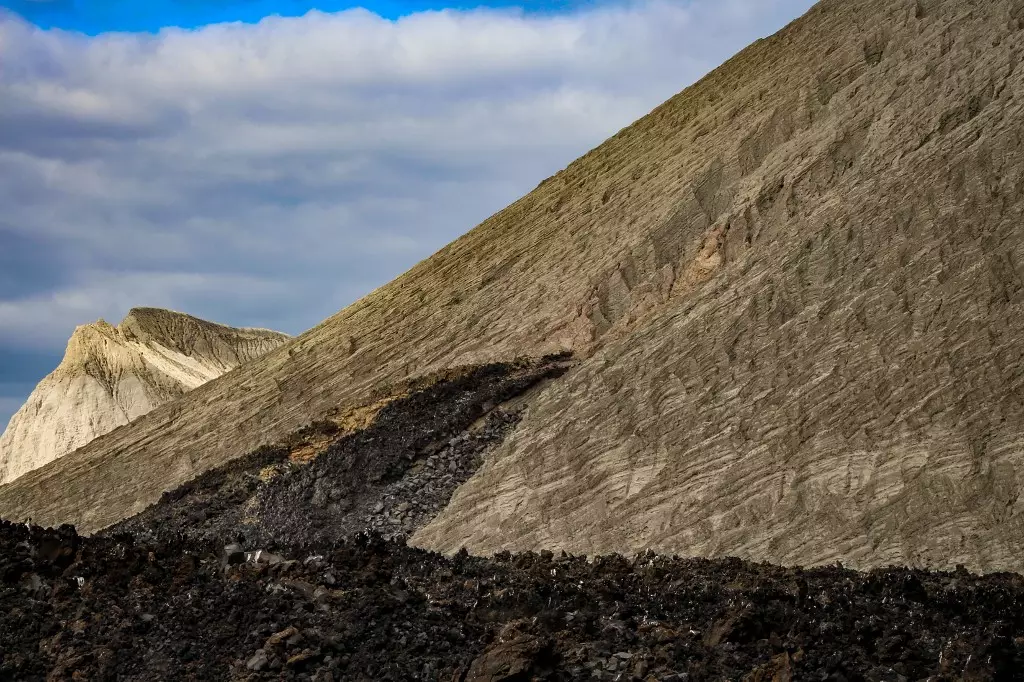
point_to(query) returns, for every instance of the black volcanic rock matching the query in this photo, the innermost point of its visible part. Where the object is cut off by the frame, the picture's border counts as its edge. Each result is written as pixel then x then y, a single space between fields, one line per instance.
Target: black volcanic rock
pixel 391 477
pixel 373 609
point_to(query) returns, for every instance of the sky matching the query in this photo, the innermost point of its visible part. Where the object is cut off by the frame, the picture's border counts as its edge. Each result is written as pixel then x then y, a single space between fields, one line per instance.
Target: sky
pixel 267 162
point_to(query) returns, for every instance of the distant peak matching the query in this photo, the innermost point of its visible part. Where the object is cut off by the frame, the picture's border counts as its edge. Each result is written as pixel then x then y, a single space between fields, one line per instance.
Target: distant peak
pixel 169 328
pixel 92 329
pixel 111 375
pixel 159 316
pixel 160 324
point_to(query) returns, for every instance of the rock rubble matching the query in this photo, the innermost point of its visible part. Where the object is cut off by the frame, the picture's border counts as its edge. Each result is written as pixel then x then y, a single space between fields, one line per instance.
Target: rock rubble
pixel 367 608
pixel 392 477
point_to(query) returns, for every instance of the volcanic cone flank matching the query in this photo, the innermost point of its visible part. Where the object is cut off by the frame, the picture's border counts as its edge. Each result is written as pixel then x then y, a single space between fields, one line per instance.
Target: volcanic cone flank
pixel 793 292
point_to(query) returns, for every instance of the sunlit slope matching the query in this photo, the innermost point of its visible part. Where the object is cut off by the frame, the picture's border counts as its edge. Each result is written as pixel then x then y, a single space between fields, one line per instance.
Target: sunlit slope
pixel 843 380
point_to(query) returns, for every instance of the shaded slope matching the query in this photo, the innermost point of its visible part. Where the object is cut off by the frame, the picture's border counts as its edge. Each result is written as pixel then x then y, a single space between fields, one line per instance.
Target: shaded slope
pixel 391 476
pixel 794 289
pixel 111 375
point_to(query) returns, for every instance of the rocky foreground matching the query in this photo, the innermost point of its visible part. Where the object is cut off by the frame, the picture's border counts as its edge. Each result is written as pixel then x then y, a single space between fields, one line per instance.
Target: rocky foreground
pixel 292 563
pixel 370 609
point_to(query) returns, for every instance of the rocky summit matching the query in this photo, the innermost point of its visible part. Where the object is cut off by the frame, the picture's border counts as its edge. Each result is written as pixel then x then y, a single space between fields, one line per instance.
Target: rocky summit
pixel 112 375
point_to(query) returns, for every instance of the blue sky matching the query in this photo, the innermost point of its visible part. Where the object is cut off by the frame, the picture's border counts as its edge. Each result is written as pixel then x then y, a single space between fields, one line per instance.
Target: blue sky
pixel 97 16
pixel 270 172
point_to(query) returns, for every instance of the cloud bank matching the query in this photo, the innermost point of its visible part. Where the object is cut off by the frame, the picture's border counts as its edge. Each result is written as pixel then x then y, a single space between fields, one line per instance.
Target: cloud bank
pixel 269 174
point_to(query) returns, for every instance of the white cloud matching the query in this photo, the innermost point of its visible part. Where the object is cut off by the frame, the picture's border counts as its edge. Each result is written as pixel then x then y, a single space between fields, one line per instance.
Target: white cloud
pixel 270 174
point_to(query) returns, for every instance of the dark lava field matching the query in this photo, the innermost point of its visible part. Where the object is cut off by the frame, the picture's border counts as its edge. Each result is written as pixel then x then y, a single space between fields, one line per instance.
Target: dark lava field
pixel 273 568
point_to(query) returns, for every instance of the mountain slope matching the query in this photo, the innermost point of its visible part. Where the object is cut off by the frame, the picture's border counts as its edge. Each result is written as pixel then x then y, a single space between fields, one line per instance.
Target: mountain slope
pixel 843 381
pixel 795 297
pixel 112 375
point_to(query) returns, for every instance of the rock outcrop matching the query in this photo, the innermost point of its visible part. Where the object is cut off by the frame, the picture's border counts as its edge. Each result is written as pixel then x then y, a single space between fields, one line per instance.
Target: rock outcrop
pixel 795 296
pixel 111 376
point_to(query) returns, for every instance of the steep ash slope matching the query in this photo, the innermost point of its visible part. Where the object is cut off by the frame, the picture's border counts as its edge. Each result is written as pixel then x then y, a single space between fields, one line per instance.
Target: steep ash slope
pixel 795 295
pixel 112 375
pixel 845 381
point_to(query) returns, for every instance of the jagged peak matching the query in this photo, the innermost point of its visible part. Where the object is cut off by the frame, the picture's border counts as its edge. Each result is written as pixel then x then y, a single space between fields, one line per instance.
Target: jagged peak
pixel 148 314
pixel 87 339
pixel 111 375
pixel 101 340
